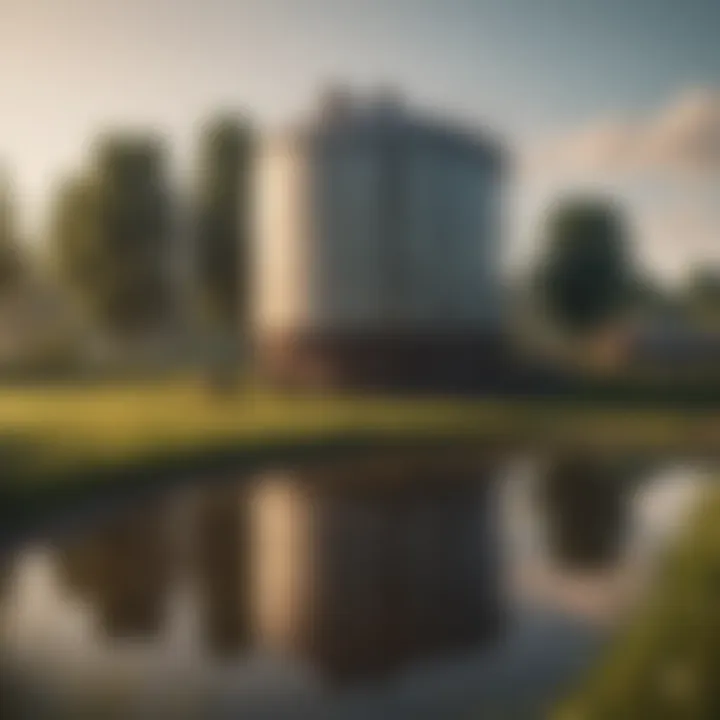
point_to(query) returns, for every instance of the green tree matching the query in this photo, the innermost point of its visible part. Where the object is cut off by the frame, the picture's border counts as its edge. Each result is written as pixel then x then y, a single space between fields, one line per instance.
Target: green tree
pixel 75 237
pixel 701 296
pixel 649 298
pixel 222 219
pixel 585 273
pixel 110 234
pixel 12 264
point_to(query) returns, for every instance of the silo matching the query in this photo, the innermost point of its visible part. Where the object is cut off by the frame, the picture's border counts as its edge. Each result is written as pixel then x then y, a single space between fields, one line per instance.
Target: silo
pixel 376 249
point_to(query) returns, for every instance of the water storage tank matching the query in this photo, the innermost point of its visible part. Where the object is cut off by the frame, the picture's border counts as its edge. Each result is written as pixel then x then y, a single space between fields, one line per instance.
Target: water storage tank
pixel 377 244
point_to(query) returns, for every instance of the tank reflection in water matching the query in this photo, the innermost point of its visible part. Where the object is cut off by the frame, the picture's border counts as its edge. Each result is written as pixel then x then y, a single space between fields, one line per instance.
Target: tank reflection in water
pixel 362 577
pixel 242 595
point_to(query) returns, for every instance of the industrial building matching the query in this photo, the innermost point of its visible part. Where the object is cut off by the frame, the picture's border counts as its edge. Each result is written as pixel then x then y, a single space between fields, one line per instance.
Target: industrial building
pixel 376 253
pixel 376 263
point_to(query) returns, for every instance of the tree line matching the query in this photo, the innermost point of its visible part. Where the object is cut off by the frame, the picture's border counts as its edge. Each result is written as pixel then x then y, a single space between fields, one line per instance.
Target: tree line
pixel 114 227
pixel 113 240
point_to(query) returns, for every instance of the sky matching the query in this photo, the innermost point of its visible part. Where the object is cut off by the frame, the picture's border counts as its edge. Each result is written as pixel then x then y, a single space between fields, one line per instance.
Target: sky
pixel 559 80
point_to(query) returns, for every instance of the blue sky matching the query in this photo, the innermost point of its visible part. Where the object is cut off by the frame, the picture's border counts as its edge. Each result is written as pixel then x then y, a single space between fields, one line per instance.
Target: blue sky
pixel 529 68
pixel 516 62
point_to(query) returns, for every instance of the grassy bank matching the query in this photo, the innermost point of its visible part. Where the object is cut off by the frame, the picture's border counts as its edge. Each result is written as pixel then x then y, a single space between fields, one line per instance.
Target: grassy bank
pixel 666 662
pixel 58 440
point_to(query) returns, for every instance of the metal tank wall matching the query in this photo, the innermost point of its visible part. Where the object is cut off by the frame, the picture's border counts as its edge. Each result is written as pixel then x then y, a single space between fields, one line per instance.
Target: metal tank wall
pixel 449 238
pixel 345 282
pixel 281 254
pixel 368 230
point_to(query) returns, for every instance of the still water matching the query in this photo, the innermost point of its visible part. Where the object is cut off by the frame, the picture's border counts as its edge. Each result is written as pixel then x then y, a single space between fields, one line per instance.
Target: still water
pixel 339 592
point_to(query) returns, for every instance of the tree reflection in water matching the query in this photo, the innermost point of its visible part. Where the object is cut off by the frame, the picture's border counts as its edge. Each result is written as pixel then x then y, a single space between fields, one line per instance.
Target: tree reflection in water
pixel 122 569
pixel 6 569
pixel 222 564
pixel 586 504
pixel 358 572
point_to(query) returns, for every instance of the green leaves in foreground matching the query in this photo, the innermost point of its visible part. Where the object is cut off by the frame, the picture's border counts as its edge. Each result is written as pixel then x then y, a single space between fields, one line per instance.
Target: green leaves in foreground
pixel 666 664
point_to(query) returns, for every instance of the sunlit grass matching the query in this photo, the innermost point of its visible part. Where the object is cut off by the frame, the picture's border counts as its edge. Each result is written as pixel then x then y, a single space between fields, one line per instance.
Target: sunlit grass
pixel 52 432
pixel 664 662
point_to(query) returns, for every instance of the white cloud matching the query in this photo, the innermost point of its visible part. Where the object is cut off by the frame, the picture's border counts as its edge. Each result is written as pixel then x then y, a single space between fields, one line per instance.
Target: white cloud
pixel 683 137
pixel 686 137
pixel 665 168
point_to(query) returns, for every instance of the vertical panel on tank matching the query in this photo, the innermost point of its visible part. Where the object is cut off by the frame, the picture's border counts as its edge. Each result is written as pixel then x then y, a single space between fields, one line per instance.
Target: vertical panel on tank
pixel 422 262
pixel 346 282
pixel 396 279
pixel 282 255
pixel 394 240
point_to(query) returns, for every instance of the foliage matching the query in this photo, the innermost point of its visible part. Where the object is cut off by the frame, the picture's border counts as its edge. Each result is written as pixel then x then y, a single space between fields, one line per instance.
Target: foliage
pixel 702 296
pixel 667 663
pixel 76 236
pixel 222 216
pixel 651 300
pixel 109 234
pixel 585 274
pixel 11 261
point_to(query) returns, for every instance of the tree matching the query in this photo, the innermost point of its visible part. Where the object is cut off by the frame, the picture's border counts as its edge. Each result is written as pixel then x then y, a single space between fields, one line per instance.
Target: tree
pixel 133 216
pixel 75 238
pixel 666 662
pixel 651 299
pixel 11 262
pixel 110 235
pixel 585 273
pixel 222 219
pixel 702 296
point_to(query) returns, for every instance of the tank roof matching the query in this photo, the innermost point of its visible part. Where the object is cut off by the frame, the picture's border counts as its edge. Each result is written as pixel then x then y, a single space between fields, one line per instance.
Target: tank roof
pixel 394 119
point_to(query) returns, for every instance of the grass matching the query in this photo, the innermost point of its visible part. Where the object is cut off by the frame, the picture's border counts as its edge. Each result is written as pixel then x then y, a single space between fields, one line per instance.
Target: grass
pixel 55 440
pixel 664 662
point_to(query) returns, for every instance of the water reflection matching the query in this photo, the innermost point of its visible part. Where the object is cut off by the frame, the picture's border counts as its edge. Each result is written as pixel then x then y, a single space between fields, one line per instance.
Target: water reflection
pixel 374 575
pixel 6 568
pixel 357 574
pixel 585 500
pixel 222 563
pixel 122 569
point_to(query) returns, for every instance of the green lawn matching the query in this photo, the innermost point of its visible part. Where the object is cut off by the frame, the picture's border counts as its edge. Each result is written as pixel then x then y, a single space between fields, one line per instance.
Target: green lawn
pixel 53 437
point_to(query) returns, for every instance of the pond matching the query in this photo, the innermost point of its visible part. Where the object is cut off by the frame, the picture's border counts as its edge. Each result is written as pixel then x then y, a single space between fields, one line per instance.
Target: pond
pixel 371 590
